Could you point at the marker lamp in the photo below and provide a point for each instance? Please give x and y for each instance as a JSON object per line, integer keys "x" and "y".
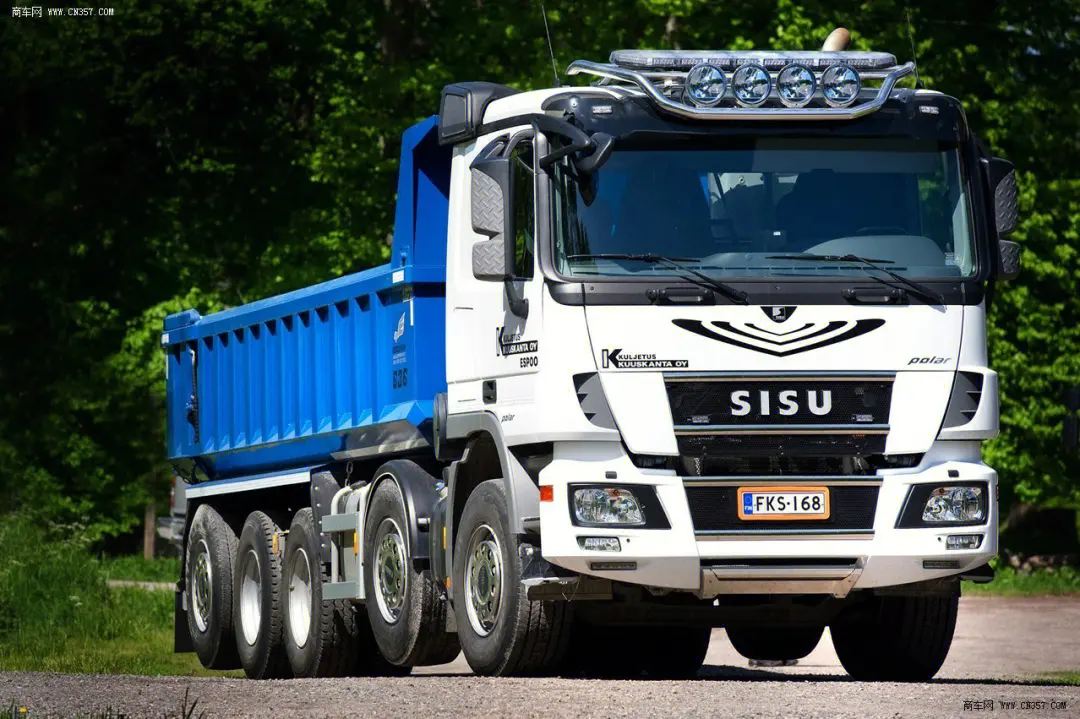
{"x": 840, "y": 85}
{"x": 795, "y": 84}
{"x": 705, "y": 85}
{"x": 751, "y": 85}
{"x": 607, "y": 506}
{"x": 955, "y": 504}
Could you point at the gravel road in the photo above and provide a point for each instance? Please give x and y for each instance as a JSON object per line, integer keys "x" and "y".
{"x": 1002, "y": 648}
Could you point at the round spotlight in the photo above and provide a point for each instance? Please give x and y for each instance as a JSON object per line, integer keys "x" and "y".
{"x": 795, "y": 84}
{"x": 705, "y": 85}
{"x": 840, "y": 85}
{"x": 751, "y": 85}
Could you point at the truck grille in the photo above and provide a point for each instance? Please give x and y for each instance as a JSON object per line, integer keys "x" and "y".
{"x": 766, "y": 401}
{"x": 714, "y": 509}
{"x": 728, "y": 425}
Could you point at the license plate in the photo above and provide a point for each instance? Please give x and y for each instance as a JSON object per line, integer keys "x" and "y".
{"x": 776, "y": 503}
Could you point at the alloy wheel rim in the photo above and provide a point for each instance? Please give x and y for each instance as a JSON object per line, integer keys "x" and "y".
{"x": 390, "y": 578}
{"x": 202, "y": 595}
{"x": 250, "y": 597}
{"x": 300, "y": 587}
{"x": 483, "y": 580}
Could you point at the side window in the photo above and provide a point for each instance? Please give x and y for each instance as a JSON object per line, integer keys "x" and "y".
{"x": 524, "y": 209}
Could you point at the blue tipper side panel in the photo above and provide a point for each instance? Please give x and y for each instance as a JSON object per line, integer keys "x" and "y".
{"x": 281, "y": 382}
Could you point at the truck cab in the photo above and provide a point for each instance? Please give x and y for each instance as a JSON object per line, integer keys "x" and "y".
{"x": 706, "y": 348}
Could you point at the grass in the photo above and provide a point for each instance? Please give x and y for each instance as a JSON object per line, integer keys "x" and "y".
{"x": 135, "y": 567}
{"x": 58, "y": 614}
{"x": 1010, "y": 583}
{"x": 1065, "y": 679}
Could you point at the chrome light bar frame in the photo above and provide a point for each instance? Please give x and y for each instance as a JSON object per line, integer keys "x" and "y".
{"x": 607, "y": 71}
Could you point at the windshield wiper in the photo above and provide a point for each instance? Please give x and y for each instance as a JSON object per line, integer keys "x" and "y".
{"x": 871, "y": 263}
{"x": 698, "y": 278}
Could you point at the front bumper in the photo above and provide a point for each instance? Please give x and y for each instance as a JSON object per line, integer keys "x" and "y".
{"x": 758, "y": 561}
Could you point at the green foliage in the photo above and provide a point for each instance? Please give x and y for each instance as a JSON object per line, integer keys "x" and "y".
{"x": 58, "y": 614}
{"x": 1040, "y": 582}
{"x": 134, "y": 567}
{"x": 198, "y": 154}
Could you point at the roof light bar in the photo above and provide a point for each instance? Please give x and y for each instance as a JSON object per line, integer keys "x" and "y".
{"x": 751, "y": 85}
{"x": 730, "y": 60}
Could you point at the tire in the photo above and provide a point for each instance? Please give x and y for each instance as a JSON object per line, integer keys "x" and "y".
{"x": 774, "y": 643}
{"x": 904, "y": 639}
{"x": 257, "y": 588}
{"x": 601, "y": 652}
{"x": 322, "y": 638}
{"x": 406, "y": 610}
{"x": 208, "y": 581}
{"x": 508, "y": 634}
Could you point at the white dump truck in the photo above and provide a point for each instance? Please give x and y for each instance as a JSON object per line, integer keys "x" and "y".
{"x": 700, "y": 344}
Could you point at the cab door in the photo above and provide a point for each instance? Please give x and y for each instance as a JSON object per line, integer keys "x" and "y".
{"x": 493, "y": 341}
{"x": 512, "y": 311}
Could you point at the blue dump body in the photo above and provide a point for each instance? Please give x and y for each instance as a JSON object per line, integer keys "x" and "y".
{"x": 293, "y": 380}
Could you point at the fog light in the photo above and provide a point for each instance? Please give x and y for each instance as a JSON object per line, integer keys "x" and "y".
{"x": 604, "y": 544}
{"x": 705, "y": 85}
{"x": 955, "y": 504}
{"x": 963, "y": 541}
{"x": 607, "y": 505}
{"x": 795, "y": 84}
{"x": 751, "y": 85}
{"x": 840, "y": 85}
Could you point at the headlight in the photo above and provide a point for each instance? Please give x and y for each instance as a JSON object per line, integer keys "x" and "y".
{"x": 751, "y": 85}
{"x": 955, "y": 504}
{"x": 840, "y": 85}
{"x": 705, "y": 85}
{"x": 795, "y": 84}
{"x": 607, "y": 505}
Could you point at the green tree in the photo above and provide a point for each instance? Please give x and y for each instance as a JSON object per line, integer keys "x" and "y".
{"x": 204, "y": 154}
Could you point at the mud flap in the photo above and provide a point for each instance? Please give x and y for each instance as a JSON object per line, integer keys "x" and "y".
{"x": 181, "y": 634}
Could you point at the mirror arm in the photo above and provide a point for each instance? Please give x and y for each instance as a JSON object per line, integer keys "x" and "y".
{"x": 600, "y": 144}
{"x": 519, "y": 306}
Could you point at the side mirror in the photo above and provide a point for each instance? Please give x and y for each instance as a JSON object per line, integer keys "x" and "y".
{"x": 1001, "y": 177}
{"x": 493, "y": 215}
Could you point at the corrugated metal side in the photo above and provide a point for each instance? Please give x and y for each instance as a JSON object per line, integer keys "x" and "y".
{"x": 282, "y": 381}
{"x": 335, "y": 367}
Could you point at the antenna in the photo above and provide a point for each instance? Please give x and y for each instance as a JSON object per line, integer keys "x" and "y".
{"x": 551, "y": 50}
{"x": 911, "y": 38}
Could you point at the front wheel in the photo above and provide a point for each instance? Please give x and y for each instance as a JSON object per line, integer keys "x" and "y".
{"x": 901, "y": 639}
{"x": 501, "y": 631}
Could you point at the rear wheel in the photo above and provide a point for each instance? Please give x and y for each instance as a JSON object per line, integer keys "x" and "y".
{"x": 208, "y": 580}
{"x": 902, "y": 639}
{"x": 322, "y": 638}
{"x": 259, "y": 603}
{"x": 406, "y": 609}
{"x": 774, "y": 643}
{"x": 501, "y": 631}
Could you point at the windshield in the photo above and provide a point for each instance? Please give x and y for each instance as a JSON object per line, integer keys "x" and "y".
{"x": 728, "y": 211}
